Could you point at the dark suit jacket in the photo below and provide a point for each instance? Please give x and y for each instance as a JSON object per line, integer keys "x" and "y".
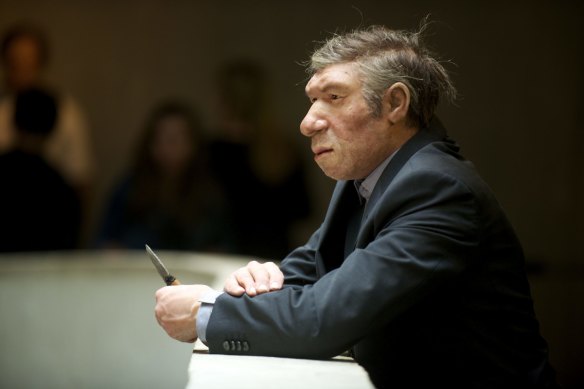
{"x": 434, "y": 293}
{"x": 39, "y": 210}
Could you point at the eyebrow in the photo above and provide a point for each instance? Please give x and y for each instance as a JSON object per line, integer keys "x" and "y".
{"x": 331, "y": 85}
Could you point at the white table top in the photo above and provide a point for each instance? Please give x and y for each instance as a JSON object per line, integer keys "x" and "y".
{"x": 216, "y": 371}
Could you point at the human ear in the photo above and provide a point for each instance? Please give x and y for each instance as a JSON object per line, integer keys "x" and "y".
{"x": 396, "y": 102}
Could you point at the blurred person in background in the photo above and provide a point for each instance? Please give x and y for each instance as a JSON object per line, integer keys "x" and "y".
{"x": 40, "y": 210}
{"x": 168, "y": 199}
{"x": 25, "y": 57}
{"x": 259, "y": 169}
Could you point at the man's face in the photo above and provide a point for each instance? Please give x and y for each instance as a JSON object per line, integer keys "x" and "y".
{"x": 348, "y": 142}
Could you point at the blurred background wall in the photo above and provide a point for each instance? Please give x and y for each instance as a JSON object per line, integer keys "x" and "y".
{"x": 518, "y": 68}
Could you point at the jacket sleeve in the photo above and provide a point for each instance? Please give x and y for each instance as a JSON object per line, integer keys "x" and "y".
{"x": 423, "y": 239}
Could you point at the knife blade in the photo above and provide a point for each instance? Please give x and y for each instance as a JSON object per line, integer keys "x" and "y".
{"x": 166, "y": 276}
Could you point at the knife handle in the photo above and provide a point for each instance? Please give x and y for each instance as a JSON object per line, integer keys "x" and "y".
{"x": 170, "y": 281}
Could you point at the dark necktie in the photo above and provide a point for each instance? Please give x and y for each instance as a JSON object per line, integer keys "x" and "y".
{"x": 353, "y": 226}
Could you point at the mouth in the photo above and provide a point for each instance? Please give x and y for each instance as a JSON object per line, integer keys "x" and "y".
{"x": 320, "y": 151}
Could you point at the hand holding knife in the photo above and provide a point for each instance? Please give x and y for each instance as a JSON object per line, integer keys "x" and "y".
{"x": 166, "y": 276}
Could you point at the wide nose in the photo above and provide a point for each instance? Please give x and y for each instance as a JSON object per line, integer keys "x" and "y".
{"x": 313, "y": 122}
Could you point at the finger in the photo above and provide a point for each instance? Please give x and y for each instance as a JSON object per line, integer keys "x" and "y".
{"x": 232, "y": 287}
{"x": 245, "y": 280}
{"x": 158, "y": 314}
{"x": 260, "y": 275}
{"x": 276, "y": 276}
{"x": 160, "y": 293}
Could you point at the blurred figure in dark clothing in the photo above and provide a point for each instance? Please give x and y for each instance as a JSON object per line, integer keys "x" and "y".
{"x": 259, "y": 169}
{"x": 40, "y": 211}
{"x": 25, "y": 56}
{"x": 168, "y": 199}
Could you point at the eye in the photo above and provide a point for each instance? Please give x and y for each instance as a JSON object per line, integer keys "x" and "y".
{"x": 334, "y": 97}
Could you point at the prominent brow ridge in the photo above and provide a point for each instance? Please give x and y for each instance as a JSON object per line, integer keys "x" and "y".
{"x": 327, "y": 87}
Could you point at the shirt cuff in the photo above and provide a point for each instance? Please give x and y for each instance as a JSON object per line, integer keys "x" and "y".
{"x": 204, "y": 314}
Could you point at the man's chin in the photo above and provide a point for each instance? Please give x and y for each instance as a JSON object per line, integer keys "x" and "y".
{"x": 335, "y": 175}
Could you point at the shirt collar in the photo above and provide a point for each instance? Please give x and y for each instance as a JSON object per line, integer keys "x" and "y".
{"x": 365, "y": 187}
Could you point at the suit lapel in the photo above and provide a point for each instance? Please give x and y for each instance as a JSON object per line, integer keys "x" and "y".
{"x": 434, "y": 133}
{"x": 344, "y": 202}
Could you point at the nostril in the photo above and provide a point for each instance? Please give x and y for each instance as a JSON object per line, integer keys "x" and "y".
{"x": 320, "y": 124}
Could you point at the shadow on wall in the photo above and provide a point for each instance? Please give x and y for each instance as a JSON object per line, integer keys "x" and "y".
{"x": 259, "y": 169}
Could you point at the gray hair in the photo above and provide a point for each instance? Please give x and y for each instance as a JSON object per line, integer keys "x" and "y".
{"x": 385, "y": 57}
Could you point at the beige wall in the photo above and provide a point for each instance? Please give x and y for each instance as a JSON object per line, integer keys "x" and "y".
{"x": 519, "y": 73}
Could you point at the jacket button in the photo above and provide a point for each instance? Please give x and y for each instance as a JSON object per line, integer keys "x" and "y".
{"x": 226, "y": 346}
{"x": 245, "y": 346}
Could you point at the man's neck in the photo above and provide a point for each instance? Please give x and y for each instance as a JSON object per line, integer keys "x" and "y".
{"x": 366, "y": 185}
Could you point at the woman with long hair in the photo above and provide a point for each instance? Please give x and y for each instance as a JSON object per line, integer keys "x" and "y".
{"x": 168, "y": 199}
